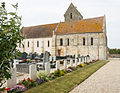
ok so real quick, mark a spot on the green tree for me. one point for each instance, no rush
(10, 36)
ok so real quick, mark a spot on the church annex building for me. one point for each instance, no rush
(75, 36)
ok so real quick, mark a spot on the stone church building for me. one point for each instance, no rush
(72, 37)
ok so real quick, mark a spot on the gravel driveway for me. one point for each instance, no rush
(105, 80)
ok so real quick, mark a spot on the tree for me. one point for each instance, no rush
(10, 36)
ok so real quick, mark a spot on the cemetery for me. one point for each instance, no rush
(34, 68)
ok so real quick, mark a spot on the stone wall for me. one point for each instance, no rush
(114, 55)
(43, 45)
(96, 51)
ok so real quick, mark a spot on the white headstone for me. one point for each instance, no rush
(12, 82)
(33, 72)
(57, 65)
(71, 62)
(79, 60)
(76, 62)
(47, 68)
(54, 58)
(65, 64)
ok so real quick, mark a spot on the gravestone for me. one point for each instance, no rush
(65, 64)
(71, 62)
(33, 71)
(57, 65)
(24, 55)
(76, 60)
(47, 67)
(46, 56)
(12, 81)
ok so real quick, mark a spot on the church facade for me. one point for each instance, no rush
(75, 36)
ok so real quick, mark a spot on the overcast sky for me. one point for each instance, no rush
(38, 12)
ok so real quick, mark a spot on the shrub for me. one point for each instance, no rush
(43, 76)
(16, 89)
(59, 73)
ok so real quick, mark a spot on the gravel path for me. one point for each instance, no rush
(105, 80)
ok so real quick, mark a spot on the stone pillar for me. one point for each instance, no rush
(76, 60)
(47, 67)
(33, 72)
(71, 62)
(57, 65)
(12, 82)
(65, 64)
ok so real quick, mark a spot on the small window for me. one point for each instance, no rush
(83, 41)
(91, 40)
(48, 44)
(68, 42)
(70, 15)
(28, 43)
(61, 42)
(37, 43)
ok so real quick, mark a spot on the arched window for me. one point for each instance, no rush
(91, 40)
(71, 15)
(83, 41)
(61, 42)
(28, 43)
(48, 44)
(37, 43)
(68, 42)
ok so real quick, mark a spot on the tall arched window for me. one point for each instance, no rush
(61, 42)
(68, 42)
(91, 40)
(71, 15)
(83, 41)
(28, 43)
(48, 44)
(37, 43)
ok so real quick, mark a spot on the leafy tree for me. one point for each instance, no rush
(10, 36)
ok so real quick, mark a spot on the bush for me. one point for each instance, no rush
(43, 76)
(59, 73)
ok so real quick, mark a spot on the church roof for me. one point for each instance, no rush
(81, 26)
(74, 27)
(39, 31)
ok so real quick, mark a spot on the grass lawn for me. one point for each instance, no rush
(67, 82)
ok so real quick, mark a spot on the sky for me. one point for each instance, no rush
(38, 12)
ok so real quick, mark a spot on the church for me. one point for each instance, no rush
(75, 36)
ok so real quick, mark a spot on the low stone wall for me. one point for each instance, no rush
(114, 55)
(23, 68)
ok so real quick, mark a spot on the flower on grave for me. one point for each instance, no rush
(39, 80)
(69, 67)
(17, 89)
(7, 89)
(69, 70)
(23, 80)
(29, 79)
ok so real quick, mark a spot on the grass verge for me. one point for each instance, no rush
(67, 82)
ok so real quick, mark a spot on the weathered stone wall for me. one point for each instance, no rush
(43, 45)
(96, 51)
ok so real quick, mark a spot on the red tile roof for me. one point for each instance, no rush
(81, 26)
